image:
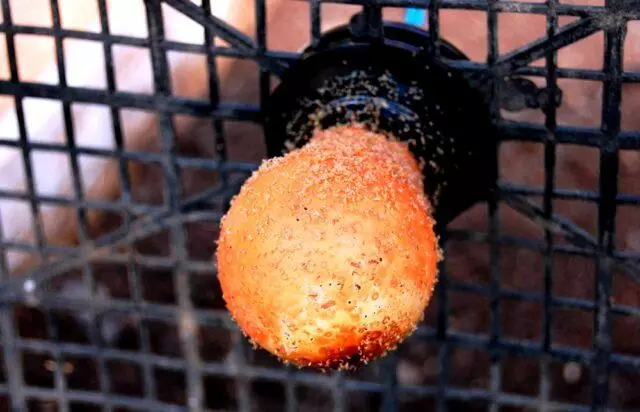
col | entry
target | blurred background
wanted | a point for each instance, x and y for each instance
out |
(119, 188)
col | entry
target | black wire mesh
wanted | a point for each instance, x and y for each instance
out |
(176, 347)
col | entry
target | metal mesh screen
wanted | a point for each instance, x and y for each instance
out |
(127, 315)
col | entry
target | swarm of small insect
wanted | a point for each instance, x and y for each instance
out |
(327, 257)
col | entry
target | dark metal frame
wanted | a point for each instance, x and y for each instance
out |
(142, 220)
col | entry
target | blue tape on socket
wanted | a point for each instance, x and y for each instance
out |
(415, 17)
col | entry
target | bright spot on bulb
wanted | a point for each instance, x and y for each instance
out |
(29, 286)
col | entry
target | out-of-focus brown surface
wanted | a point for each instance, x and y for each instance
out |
(520, 269)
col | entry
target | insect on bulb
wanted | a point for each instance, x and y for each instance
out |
(327, 257)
